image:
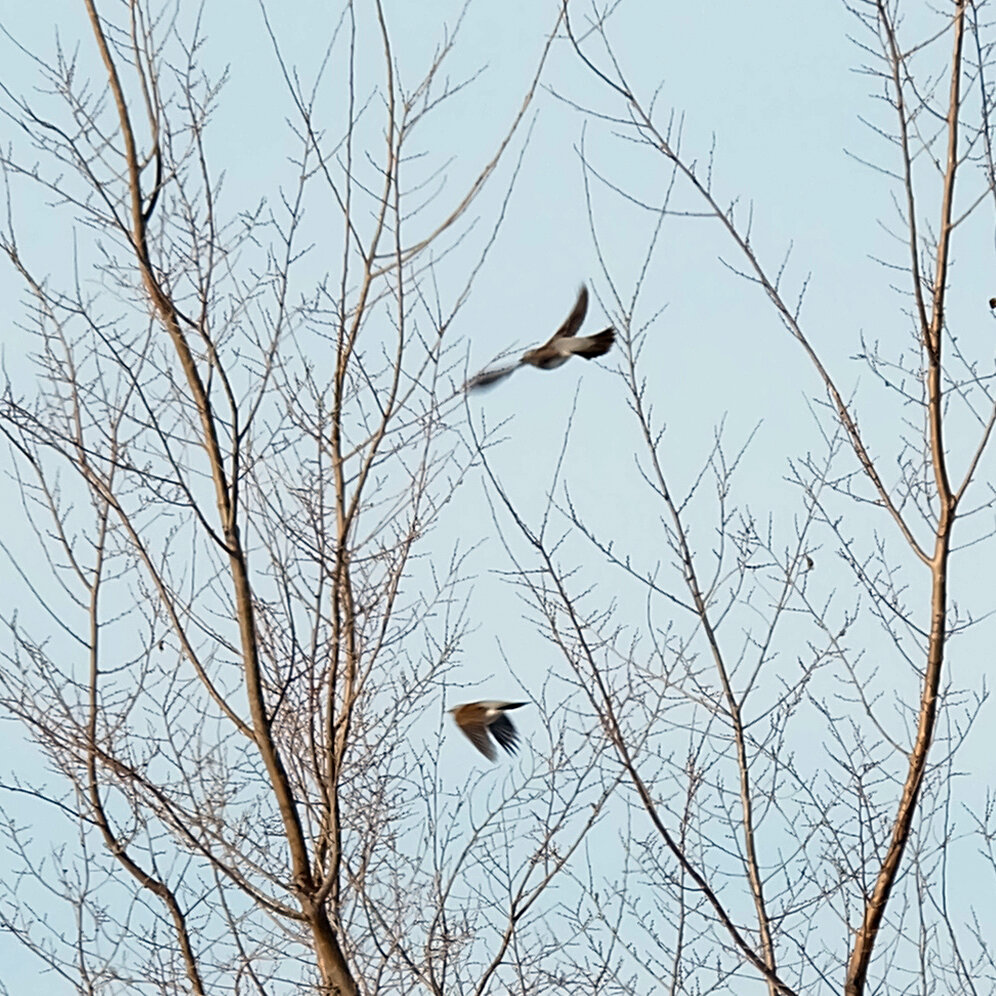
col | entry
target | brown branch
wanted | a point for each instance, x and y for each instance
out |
(149, 882)
(332, 961)
(644, 122)
(875, 904)
(601, 698)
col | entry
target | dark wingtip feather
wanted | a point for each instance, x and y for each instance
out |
(505, 733)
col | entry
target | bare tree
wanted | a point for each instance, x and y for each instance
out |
(242, 428)
(796, 819)
(240, 436)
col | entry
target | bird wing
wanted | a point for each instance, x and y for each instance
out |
(477, 734)
(575, 318)
(488, 377)
(505, 733)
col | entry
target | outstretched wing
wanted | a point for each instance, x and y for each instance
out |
(505, 733)
(488, 377)
(477, 734)
(575, 318)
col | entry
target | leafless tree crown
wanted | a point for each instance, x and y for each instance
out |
(237, 434)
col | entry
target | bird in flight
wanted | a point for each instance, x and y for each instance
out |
(558, 350)
(479, 719)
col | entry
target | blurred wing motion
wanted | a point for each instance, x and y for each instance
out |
(561, 346)
(575, 319)
(480, 721)
(504, 732)
(488, 377)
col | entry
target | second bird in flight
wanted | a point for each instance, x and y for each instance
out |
(558, 350)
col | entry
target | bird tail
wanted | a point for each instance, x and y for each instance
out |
(598, 344)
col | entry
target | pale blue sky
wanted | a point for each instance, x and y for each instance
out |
(774, 84)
